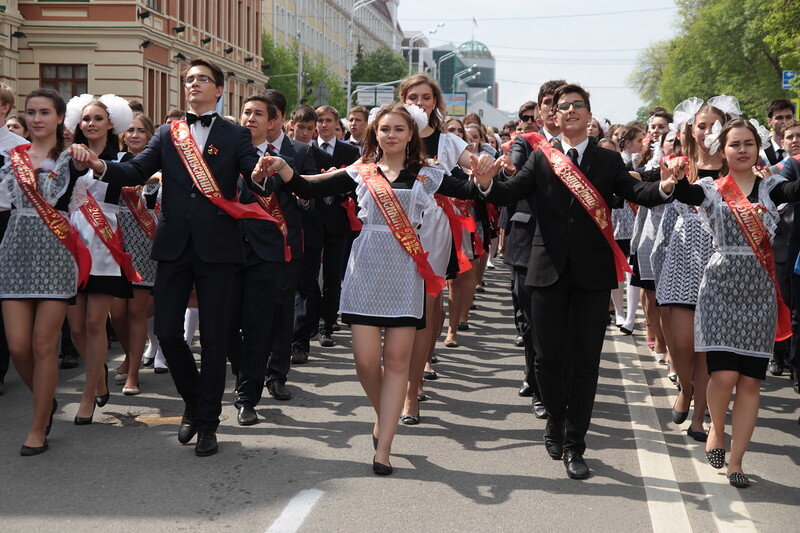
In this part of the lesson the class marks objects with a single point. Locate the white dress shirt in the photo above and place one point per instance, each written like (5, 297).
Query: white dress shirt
(9, 140)
(200, 132)
(331, 145)
(278, 142)
(581, 148)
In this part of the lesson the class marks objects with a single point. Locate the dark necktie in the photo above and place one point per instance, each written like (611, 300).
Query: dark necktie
(205, 120)
(325, 147)
(572, 153)
(780, 153)
(271, 148)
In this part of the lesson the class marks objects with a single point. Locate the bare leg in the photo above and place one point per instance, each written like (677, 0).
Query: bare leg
(138, 311)
(46, 332)
(18, 318)
(475, 275)
(681, 343)
(745, 413)
(119, 321)
(700, 381)
(367, 353)
(720, 388)
(97, 308)
(419, 356)
(397, 347)
(654, 319)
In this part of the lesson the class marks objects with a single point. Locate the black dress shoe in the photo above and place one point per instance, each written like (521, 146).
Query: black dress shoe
(247, 416)
(699, 436)
(430, 375)
(299, 356)
(463, 326)
(325, 340)
(526, 391)
(27, 451)
(102, 400)
(576, 466)
(188, 429)
(539, 410)
(278, 390)
(206, 443)
(50, 423)
(554, 438)
(381, 469)
(519, 342)
(554, 449)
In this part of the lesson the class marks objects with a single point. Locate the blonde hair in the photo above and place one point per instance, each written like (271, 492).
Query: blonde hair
(6, 95)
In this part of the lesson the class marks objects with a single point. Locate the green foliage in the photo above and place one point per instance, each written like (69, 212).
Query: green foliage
(737, 47)
(379, 66)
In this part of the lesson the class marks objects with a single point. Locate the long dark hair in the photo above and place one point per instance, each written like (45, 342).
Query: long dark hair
(61, 109)
(414, 150)
(111, 138)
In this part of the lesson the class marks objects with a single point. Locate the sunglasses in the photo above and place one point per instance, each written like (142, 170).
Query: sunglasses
(527, 118)
(577, 104)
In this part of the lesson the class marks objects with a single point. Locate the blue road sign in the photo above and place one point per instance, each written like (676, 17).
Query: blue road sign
(788, 76)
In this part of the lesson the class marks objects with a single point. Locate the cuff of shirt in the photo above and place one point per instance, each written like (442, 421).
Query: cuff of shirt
(102, 175)
(488, 189)
(664, 195)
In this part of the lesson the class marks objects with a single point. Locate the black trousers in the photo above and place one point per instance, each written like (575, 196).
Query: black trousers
(793, 359)
(569, 324)
(280, 353)
(254, 321)
(201, 390)
(522, 294)
(515, 291)
(308, 298)
(333, 251)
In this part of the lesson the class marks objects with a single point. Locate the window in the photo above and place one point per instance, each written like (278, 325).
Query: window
(67, 80)
(155, 5)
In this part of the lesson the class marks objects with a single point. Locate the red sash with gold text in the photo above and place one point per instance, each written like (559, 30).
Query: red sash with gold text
(456, 223)
(55, 221)
(112, 240)
(583, 191)
(204, 180)
(272, 206)
(398, 222)
(139, 211)
(747, 216)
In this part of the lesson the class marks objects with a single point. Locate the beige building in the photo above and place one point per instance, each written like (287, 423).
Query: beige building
(135, 49)
(323, 27)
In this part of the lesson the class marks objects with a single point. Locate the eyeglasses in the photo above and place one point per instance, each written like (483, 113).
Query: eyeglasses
(527, 118)
(577, 104)
(202, 78)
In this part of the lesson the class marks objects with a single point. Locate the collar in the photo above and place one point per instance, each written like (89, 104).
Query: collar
(278, 142)
(332, 142)
(581, 148)
(262, 148)
(549, 136)
(775, 146)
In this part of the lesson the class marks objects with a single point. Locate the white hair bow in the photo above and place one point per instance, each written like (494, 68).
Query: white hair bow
(673, 132)
(372, 114)
(712, 139)
(418, 115)
(685, 111)
(726, 104)
(74, 110)
(119, 112)
(763, 132)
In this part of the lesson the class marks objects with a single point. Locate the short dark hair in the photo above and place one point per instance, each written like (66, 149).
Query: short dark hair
(530, 105)
(511, 124)
(219, 76)
(304, 113)
(359, 109)
(325, 109)
(791, 123)
(136, 106)
(548, 88)
(175, 114)
(661, 113)
(571, 88)
(779, 104)
(277, 98)
(272, 109)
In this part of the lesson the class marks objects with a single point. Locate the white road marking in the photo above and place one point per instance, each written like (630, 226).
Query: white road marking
(664, 500)
(296, 512)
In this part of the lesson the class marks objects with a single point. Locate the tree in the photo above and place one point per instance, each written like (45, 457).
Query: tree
(379, 66)
(782, 26)
(649, 71)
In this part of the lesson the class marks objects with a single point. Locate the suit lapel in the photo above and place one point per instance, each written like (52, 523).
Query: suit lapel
(287, 149)
(589, 155)
(215, 135)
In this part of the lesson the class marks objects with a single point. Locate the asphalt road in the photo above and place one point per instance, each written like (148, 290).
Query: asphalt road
(476, 463)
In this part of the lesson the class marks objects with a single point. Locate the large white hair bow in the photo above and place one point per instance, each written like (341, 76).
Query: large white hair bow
(726, 104)
(686, 110)
(712, 139)
(74, 110)
(372, 114)
(119, 112)
(763, 132)
(418, 115)
(673, 132)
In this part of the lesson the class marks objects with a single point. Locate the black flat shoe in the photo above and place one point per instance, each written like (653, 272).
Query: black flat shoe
(102, 400)
(27, 451)
(147, 362)
(626, 331)
(716, 457)
(160, 370)
(679, 417)
(206, 443)
(575, 465)
(434, 359)
(699, 436)
(381, 469)
(737, 479)
(430, 375)
(422, 398)
(463, 326)
(50, 424)
(409, 420)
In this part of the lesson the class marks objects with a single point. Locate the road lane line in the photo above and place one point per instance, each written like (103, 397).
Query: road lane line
(296, 511)
(664, 499)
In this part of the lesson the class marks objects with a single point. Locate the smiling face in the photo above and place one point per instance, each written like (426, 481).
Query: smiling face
(422, 95)
(201, 90)
(136, 137)
(740, 150)
(572, 121)
(95, 124)
(393, 134)
(41, 118)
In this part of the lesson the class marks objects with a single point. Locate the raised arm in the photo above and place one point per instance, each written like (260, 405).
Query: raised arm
(458, 185)
(509, 191)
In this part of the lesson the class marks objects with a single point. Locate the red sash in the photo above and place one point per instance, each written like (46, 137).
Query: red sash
(746, 215)
(139, 211)
(272, 205)
(204, 180)
(55, 221)
(350, 207)
(397, 220)
(456, 225)
(583, 191)
(634, 207)
(113, 241)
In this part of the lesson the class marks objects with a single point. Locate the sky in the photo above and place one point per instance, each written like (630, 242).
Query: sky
(538, 40)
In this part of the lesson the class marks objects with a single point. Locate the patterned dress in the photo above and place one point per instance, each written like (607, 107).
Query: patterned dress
(137, 243)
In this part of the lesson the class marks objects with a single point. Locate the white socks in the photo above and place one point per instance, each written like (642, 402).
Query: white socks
(617, 300)
(633, 294)
(190, 322)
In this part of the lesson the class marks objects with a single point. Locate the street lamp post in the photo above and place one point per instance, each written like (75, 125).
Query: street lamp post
(458, 74)
(439, 63)
(478, 93)
(414, 38)
(358, 4)
(467, 80)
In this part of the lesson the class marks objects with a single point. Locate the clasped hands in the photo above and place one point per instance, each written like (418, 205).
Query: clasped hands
(483, 168)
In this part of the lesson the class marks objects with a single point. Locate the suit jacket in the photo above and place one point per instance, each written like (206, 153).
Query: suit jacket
(521, 222)
(791, 171)
(772, 157)
(334, 216)
(564, 230)
(186, 214)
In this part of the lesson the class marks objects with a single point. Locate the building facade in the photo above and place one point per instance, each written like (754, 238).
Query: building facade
(322, 26)
(134, 49)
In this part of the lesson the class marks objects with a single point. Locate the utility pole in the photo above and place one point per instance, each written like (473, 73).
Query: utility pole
(299, 70)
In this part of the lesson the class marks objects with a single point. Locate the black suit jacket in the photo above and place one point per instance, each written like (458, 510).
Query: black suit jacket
(187, 214)
(334, 216)
(772, 157)
(564, 230)
(521, 222)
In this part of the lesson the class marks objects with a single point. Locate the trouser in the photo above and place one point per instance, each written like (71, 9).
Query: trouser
(201, 390)
(308, 298)
(522, 294)
(334, 248)
(280, 350)
(569, 324)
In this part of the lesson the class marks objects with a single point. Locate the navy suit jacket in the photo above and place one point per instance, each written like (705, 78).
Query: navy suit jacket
(334, 215)
(187, 215)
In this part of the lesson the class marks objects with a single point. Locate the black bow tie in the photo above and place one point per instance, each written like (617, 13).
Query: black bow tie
(205, 120)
